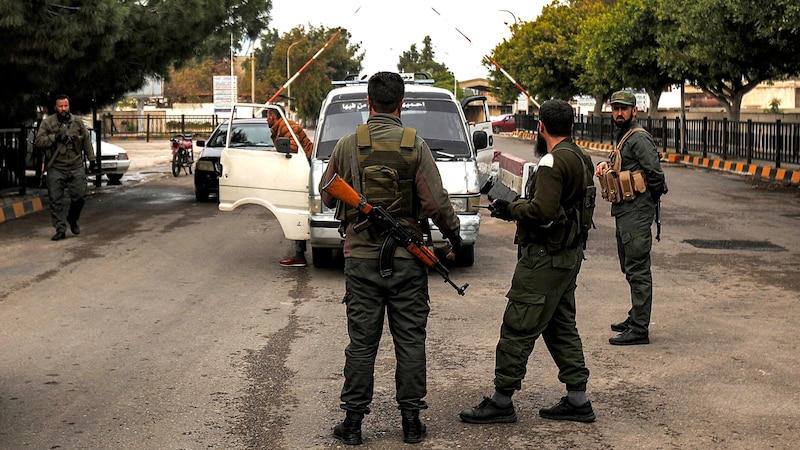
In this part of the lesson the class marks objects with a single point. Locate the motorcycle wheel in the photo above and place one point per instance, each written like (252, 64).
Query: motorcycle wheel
(187, 162)
(176, 166)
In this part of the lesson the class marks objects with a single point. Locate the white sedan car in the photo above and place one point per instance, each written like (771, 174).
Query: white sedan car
(113, 158)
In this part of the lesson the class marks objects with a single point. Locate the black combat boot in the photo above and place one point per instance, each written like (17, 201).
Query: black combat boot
(413, 429)
(349, 431)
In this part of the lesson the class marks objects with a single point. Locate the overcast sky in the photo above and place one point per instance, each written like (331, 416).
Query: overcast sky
(386, 29)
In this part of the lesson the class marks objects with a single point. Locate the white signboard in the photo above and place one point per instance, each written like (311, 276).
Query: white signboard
(225, 93)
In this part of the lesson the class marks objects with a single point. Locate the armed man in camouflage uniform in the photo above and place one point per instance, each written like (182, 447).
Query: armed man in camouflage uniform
(634, 218)
(385, 143)
(66, 141)
(541, 300)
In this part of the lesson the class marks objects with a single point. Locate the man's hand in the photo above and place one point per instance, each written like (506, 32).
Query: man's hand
(63, 138)
(499, 208)
(600, 169)
(455, 246)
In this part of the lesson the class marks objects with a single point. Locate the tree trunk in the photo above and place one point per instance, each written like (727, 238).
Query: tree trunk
(655, 97)
(599, 101)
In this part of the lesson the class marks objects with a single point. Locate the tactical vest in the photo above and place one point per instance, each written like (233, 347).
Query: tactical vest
(583, 210)
(386, 170)
(570, 228)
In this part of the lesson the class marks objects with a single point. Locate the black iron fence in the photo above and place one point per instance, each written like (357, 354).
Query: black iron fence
(777, 142)
(15, 144)
(21, 163)
(157, 126)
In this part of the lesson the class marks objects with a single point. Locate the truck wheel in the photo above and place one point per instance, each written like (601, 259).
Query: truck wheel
(201, 195)
(466, 257)
(322, 257)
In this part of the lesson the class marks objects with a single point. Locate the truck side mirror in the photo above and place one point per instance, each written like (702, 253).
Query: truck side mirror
(284, 146)
(480, 139)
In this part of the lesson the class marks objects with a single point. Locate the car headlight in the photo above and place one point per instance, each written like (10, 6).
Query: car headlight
(465, 204)
(205, 166)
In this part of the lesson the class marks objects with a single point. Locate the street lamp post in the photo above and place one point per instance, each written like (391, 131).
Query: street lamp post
(289, 74)
(512, 15)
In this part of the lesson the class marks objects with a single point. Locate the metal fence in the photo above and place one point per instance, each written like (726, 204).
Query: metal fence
(776, 142)
(157, 126)
(18, 155)
(14, 147)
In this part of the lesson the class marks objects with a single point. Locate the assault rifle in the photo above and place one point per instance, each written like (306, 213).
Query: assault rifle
(396, 234)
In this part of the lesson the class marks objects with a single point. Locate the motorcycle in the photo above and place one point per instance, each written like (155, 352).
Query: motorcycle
(182, 153)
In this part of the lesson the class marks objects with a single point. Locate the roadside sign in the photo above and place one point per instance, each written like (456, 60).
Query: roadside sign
(225, 93)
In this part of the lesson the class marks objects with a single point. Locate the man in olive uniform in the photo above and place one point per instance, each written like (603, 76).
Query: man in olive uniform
(384, 142)
(66, 140)
(541, 300)
(634, 218)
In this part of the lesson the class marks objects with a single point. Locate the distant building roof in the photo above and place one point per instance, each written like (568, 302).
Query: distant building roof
(479, 84)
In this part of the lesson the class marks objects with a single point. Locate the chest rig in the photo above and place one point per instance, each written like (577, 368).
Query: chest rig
(385, 170)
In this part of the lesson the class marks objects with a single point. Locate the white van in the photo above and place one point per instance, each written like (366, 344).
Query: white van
(439, 119)
(287, 185)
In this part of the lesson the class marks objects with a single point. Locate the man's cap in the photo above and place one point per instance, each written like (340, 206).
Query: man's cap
(623, 98)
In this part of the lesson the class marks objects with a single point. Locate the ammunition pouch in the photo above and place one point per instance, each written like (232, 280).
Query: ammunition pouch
(610, 186)
(617, 185)
(623, 186)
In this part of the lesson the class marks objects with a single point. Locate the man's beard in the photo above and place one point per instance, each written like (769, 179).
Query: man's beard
(63, 116)
(541, 147)
(624, 123)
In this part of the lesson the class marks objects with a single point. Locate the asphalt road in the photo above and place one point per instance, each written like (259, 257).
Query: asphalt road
(169, 324)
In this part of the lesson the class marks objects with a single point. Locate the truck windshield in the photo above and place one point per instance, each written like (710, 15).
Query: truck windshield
(243, 135)
(438, 122)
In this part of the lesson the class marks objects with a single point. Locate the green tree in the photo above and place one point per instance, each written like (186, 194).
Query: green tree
(193, 83)
(98, 50)
(309, 89)
(246, 21)
(413, 61)
(728, 47)
(618, 47)
(539, 54)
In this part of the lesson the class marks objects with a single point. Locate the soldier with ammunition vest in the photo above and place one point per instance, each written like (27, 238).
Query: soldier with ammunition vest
(633, 182)
(393, 168)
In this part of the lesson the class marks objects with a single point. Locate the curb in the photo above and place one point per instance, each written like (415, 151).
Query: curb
(764, 173)
(20, 208)
(759, 172)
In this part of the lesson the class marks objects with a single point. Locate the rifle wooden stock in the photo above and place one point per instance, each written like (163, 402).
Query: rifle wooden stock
(342, 191)
(387, 224)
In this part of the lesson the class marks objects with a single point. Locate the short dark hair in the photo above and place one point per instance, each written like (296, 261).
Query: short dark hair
(386, 90)
(273, 110)
(61, 97)
(557, 117)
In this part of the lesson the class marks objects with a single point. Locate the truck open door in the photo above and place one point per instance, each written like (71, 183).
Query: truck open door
(277, 180)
